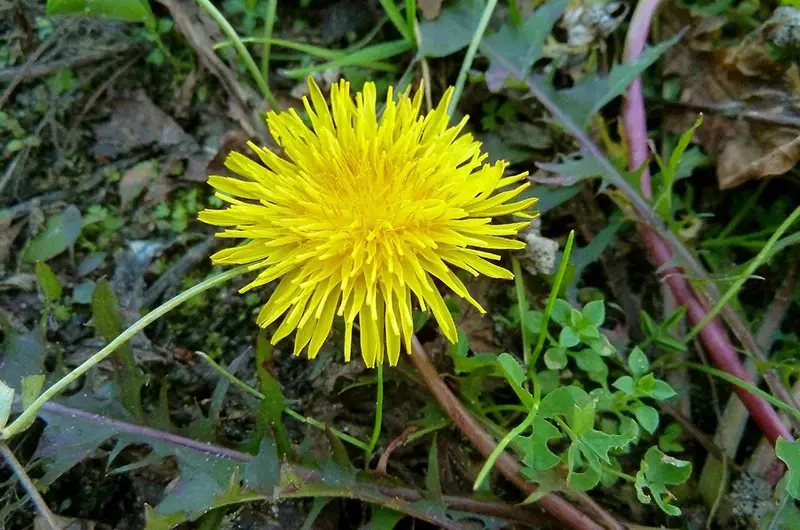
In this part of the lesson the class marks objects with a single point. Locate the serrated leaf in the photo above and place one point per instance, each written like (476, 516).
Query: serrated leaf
(517, 48)
(59, 234)
(48, 282)
(595, 312)
(594, 91)
(451, 30)
(789, 452)
(647, 417)
(657, 471)
(536, 452)
(576, 460)
(262, 473)
(555, 358)
(638, 363)
(6, 401)
(581, 419)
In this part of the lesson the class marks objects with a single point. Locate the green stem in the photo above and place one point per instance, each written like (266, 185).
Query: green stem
(743, 211)
(551, 301)
(376, 430)
(725, 376)
(269, 24)
(25, 419)
(226, 28)
(522, 306)
(286, 410)
(470, 55)
(507, 439)
(760, 258)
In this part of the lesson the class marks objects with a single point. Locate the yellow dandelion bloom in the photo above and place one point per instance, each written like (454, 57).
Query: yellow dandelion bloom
(364, 214)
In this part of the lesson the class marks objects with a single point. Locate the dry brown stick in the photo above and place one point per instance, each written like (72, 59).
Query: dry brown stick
(204, 48)
(24, 72)
(559, 508)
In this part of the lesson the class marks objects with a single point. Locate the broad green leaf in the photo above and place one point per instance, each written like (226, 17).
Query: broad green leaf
(451, 30)
(578, 460)
(31, 388)
(647, 417)
(581, 419)
(561, 312)
(555, 358)
(638, 363)
(130, 10)
(59, 234)
(383, 518)
(106, 315)
(22, 355)
(601, 443)
(48, 282)
(601, 346)
(603, 398)
(595, 312)
(662, 390)
(657, 471)
(789, 452)
(517, 48)
(568, 338)
(6, 401)
(591, 363)
(262, 473)
(536, 453)
(561, 400)
(625, 384)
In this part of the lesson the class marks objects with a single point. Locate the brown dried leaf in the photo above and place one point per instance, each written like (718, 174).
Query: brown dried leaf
(740, 77)
(135, 180)
(8, 234)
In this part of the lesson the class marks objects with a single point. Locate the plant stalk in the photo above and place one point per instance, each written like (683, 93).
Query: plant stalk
(559, 508)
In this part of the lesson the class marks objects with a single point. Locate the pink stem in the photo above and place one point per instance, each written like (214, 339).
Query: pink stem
(713, 335)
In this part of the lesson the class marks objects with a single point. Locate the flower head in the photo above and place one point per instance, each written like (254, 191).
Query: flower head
(363, 215)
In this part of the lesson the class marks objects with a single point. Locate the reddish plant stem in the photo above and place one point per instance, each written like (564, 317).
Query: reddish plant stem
(505, 463)
(713, 336)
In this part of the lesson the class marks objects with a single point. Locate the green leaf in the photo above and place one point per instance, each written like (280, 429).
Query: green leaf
(420, 318)
(789, 452)
(22, 355)
(601, 346)
(577, 460)
(270, 410)
(31, 388)
(432, 482)
(561, 400)
(668, 442)
(382, 518)
(638, 363)
(48, 282)
(451, 30)
(106, 315)
(130, 10)
(662, 390)
(663, 203)
(594, 91)
(555, 358)
(262, 473)
(591, 363)
(59, 234)
(561, 312)
(657, 471)
(647, 417)
(646, 384)
(581, 419)
(536, 452)
(568, 338)
(517, 48)
(515, 375)
(6, 401)
(595, 312)
(625, 384)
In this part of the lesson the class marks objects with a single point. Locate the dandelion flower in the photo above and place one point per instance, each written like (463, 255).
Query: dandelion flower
(364, 214)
